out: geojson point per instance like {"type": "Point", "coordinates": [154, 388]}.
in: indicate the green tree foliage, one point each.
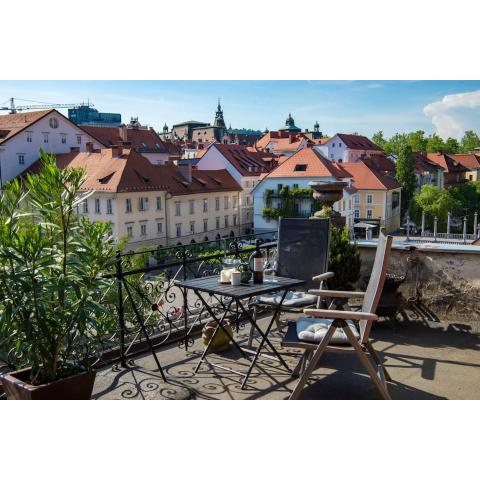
{"type": "Point", "coordinates": [451, 145]}
{"type": "Point", "coordinates": [437, 203]}
{"type": "Point", "coordinates": [469, 141]}
{"type": "Point", "coordinates": [405, 175]}
{"type": "Point", "coordinates": [435, 144]}
{"type": "Point", "coordinates": [344, 260]}
{"type": "Point", "coordinates": [417, 141]}
{"type": "Point", "coordinates": [379, 139]}
{"type": "Point", "coordinates": [52, 266]}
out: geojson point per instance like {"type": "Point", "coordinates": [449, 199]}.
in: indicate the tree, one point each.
{"type": "Point", "coordinates": [395, 143]}
{"type": "Point", "coordinates": [379, 139]}
{"type": "Point", "coordinates": [470, 141]}
{"type": "Point", "coordinates": [435, 144]}
{"type": "Point", "coordinates": [451, 145]}
{"type": "Point", "coordinates": [437, 203]}
{"type": "Point", "coordinates": [417, 141]}
{"type": "Point", "coordinates": [405, 176]}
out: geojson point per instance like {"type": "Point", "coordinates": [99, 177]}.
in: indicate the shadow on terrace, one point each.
{"type": "Point", "coordinates": [430, 351]}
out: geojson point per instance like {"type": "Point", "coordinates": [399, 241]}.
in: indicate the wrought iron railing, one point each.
{"type": "Point", "coordinates": [152, 310]}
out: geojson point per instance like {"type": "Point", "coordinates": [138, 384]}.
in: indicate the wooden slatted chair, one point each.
{"type": "Point", "coordinates": [334, 330]}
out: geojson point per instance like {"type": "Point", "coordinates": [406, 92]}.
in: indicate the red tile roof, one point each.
{"type": "Point", "coordinates": [137, 137]}
{"type": "Point", "coordinates": [449, 164]}
{"type": "Point", "coordinates": [14, 123]}
{"type": "Point", "coordinates": [358, 142]}
{"type": "Point", "coordinates": [468, 160]}
{"type": "Point", "coordinates": [285, 141]}
{"type": "Point", "coordinates": [423, 164]}
{"type": "Point", "coordinates": [130, 171]}
{"type": "Point", "coordinates": [248, 163]}
{"type": "Point", "coordinates": [368, 178]}
{"type": "Point", "coordinates": [307, 162]}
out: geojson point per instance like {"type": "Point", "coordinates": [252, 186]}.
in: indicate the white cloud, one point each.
{"type": "Point", "coordinates": [454, 114]}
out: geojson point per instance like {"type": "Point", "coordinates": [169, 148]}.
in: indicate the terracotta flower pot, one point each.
{"type": "Point", "coordinates": [76, 387]}
{"type": "Point", "coordinates": [221, 341]}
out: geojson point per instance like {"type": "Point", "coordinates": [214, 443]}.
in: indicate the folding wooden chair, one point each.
{"type": "Point", "coordinates": [332, 330]}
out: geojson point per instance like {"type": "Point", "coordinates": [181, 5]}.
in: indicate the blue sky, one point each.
{"type": "Point", "coordinates": [445, 107]}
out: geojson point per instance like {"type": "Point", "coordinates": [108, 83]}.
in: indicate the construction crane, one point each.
{"type": "Point", "coordinates": [18, 108]}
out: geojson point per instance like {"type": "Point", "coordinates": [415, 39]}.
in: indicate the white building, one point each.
{"type": "Point", "coordinates": [347, 148]}
{"type": "Point", "coordinates": [23, 134]}
{"type": "Point", "coordinates": [245, 166]}
{"type": "Point", "coordinates": [297, 172]}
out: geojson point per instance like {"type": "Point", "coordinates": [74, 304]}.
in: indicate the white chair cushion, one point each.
{"type": "Point", "coordinates": [314, 330]}
{"type": "Point", "coordinates": [292, 299]}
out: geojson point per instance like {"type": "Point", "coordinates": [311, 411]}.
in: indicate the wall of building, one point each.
{"type": "Point", "coordinates": [444, 279]}
{"type": "Point", "coordinates": [186, 217]}
{"type": "Point", "coordinates": [9, 151]}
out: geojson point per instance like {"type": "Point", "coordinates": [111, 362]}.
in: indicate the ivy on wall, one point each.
{"type": "Point", "coordinates": [288, 202]}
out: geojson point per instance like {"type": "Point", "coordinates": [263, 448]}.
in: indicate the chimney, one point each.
{"type": "Point", "coordinates": [74, 149]}
{"type": "Point", "coordinates": [186, 171]}
{"type": "Point", "coordinates": [116, 151]}
{"type": "Point", "coordinates": [89, 147]}
{"type": "Point", "coordinates": [123, 132]}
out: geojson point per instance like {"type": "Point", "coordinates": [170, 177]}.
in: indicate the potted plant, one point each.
{"type": "Point", "coordinates": [51, 285]}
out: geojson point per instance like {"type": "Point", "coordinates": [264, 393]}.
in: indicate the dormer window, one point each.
{"type": "Point", "coordinates": [300, 167]}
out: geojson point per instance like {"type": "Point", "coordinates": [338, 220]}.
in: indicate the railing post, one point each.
{"type": "Point", "coordinates": [435, 225]}
{"type": "Point", "coordinates": [121, 311]}
{"type": "Point", "coordinates": [464, 230]}
{"type": "Point", "coordinates": [475, 225]}
{"type": "Point", "coordinates": [408, 228]}
{"type": "Point", "coordinates": [423, 222]}
{"type": "Point", "coordinates": [449, 218]}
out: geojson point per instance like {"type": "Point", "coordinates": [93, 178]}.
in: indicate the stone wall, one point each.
{"type": "Point", "coordinates": [445, 279]}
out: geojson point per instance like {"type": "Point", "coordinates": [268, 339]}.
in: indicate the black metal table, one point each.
{"type": "Point", "coordinates": [235, 295]}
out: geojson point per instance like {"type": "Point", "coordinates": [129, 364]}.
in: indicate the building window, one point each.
{"type": "Point", "coordinates": [226, 203]}
{"type": "Point", "coordinates": [143, 230]}
{"type": "Point", "coordinates": [192, 227]}
{"type": "Point", "coordinates": [370, 198]}
{"type": "Point", "coordinates": [369, 213]}
{"type": "Point", "coordinates": [45, 138]}
{"type": "Point", "coordinates": [234, 220]}
{"type": "Point", "coordinates": [85, 206]}
{"type": "Point", "coordinates": [333, 144]}
{"type": "Point", "coordinates": [248, 215]}
{"type": "Point", "coordinates": [226, 221]}
{"type": "Point", "coordinates": [159, 203]}
{"type": "Point", "coordinates": [159, 227]}
{"type": "Point", "coordinates": [178, 228]}
{"type": "Point", "coordinates": [129, 231]}
{"type": "Point", "coordinates": [97, 205]}
{"type": "Point", "coordinates": [340, 145]}
{"type": "Point", "coordinates": [128, 205]}
{"type": "Point", "coordinates": [234, 202]}
{"type": "Point", "coordinates": [109, 206]}
{"type": "Point", "coordinates": [191, 206]}
{"type": "Point", "coordinates": [205, 224]}
{"type": "Point", "coordinates": [79, 139]}
{"type": "Point", "coordinates": [143, 204]}
{"type": "Point", "coordinates": [356, 213]}
{"type": "Point", "coordinates": [205, 204]}
{"type": "Point", "coordinates": [356, 199]}
{"type": "Point", "coordinates": [279, 187]}
{"type": "Point", "coordinates": [217, 223]}
{"type": "Point", "coordinates": [53, 122]}
{"type": "Point", "coordinates": [64, 138]}
{"type": "Point", "coordinates": [21, 158]}
{"type": "Point", "coordinates": [29, 137]}
{"type": "Point", "coordinates": [178, 210]}
{"type": "Point", "coordinates": [217, 203]}
{"type": "Point", "coordinates": [295, 186]}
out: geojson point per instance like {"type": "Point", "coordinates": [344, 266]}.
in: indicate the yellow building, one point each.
{"type": "Point", "coordinates": [377, 197]}
{"type": "Point", "coordinates": [151, 205]}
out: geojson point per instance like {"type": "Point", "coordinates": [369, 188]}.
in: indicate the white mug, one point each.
{"type": "Point", "coordinates": [235, 278]}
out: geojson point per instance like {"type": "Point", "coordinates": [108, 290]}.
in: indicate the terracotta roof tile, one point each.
{"type": "Point", "coordinates": [307, 162]}
{"type": "Point", "coordinates": [248, 163]}
{"type": "Point", "coordinates": [449, 164]}
{"type": "Point", "coordinates": [468, 160]}
{"type": "Point", "coordinates": [14, 123]}
{"type": "Point", "coordinates": [368, 178]}
{"type": "Point", "coordinates": [358, 142]}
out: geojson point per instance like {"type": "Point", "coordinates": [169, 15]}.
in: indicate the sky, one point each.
{"type": "Point", "coordinates": [447, 108]}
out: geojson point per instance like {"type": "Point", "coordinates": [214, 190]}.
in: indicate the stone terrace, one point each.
{"type": "Point", "coordinates": [426, 358]}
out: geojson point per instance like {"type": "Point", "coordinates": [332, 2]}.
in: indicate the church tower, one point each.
{"type": "Point", "coordinates": [219, 121]}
